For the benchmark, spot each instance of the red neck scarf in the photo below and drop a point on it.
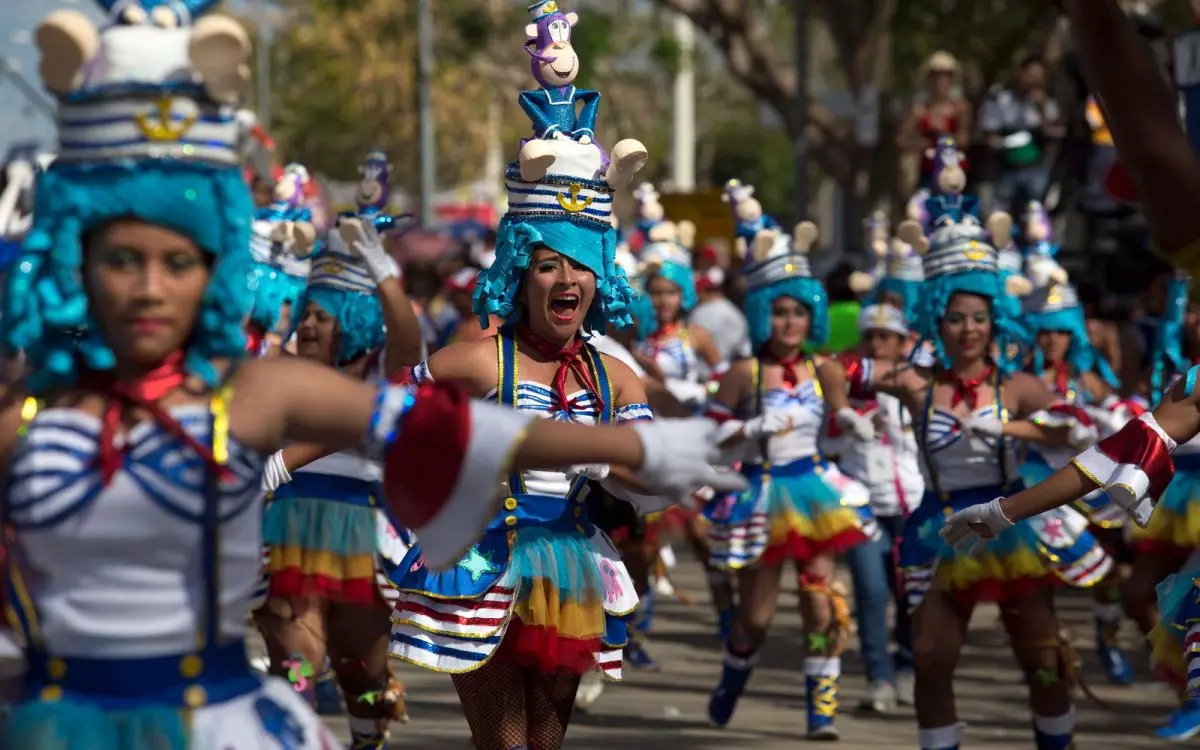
(569, 359)
(144, 393)
(1062, 383)
(966, 391)
(791, 376)
(663, 335)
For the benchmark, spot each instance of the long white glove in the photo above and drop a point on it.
(275, 473)
(858, 425)
(1081, 436)
(958, 531)
(688, 393)
(771, 423)
(368, 245)
(983, 426)
(595, 472)
(679, 457)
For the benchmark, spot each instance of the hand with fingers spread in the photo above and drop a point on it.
(773, 422)
(977, 426)
(368, 245)
(970, 526)
(860, 426)
(679, 454)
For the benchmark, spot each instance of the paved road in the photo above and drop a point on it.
(649, 710)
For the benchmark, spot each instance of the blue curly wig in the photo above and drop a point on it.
(45, 307)
(805, 290)
(1007, 329)
(274, 288)
(498, 286)
(909, 291)
(1081, 355)
(1168, 354)
(359, 316)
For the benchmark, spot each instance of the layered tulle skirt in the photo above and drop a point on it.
(553, 597)
(1054, 547)
(328, 536)
(795, 511)
(1174, 526)
(1175, 641)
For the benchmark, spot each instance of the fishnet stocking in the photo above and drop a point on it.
(493, 700)
(511, 707)
(549, 701)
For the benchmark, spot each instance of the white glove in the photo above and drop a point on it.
(679, 454)
(1081, 436)
(596, 472)
(858, 425)
(368, 245)
(687, 392)
(275, 473)
(771, 423)
(958, 530)
(983, 426)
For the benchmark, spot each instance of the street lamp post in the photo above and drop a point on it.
(427, 142)
(800, 112)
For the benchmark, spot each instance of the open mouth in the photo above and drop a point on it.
(564, 306)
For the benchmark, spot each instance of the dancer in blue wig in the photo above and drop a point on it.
(1085, 384)
(969, 409)
(800, 508)
(558, 597)
(896, 278)
(134, 452)
(282, 241)
(330, 544)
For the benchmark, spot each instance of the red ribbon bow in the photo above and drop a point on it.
(791, 376)
(144, 393)
(569, 358)
(967, 391)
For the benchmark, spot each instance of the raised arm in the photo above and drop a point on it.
(1142, 112)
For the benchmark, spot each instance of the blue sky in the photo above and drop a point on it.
(18, 121)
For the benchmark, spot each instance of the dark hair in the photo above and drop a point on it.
(421, 280)
(837, 283)
(1032, 58)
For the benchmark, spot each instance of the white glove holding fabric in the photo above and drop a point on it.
(959, 530)
(595, 472)
(368, 245)
(858, 425)
(771, 423)
(1081, 436)
(275, 473)
(688, 393)
(679, 454)
(983, 426)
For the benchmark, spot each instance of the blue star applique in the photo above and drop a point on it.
(478, 564)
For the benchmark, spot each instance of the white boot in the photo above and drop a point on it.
(627, 157)
(68, 40)
(536, 157)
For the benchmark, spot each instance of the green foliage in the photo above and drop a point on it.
(987, 35)
(760, 157)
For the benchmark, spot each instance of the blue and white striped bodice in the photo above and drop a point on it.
(676, 358)
(806, 408)
(117, 571)
(961, 461)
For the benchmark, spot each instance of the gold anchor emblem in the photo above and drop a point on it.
(975, 251)
(573, 205)
(550, 7)
(163, 130)
(1055, 296)
(335, 269)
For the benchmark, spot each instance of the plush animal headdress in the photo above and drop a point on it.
(146, 129)
(736, 192)
(668, 256)
(1056, 308)
(961, 258)
(1168, 340)
(778, 266)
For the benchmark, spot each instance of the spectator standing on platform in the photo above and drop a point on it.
(939, 110)
(1020, 123)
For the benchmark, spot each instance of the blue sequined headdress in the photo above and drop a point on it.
(777, 266)
(961, 258)
(281, 259)
(146, 130)
(1056, 308)
(559, 197)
